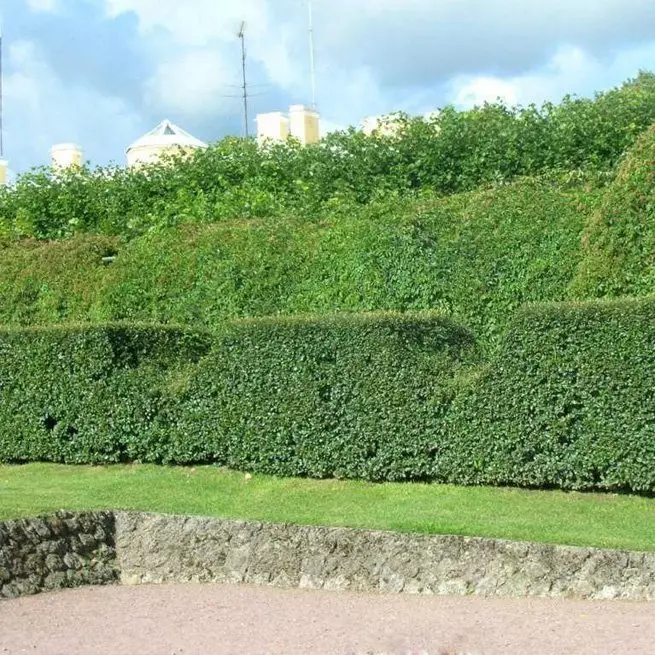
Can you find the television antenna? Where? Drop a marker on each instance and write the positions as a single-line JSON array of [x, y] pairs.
[[242, 36], [312, 52]]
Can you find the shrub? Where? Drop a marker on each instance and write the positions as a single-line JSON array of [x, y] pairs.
[[619, 241], [353, 396], [91, 394], [453, 152], [567, 403], [52, 282], [350, 396]]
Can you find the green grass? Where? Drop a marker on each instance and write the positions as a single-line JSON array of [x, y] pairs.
[[607, 521]]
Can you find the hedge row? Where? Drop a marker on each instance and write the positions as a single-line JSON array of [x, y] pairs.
[[568, 403], [351, 396], [475, 256], [90, 394]]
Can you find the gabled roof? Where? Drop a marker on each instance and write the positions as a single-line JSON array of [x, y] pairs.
[[167, 134]]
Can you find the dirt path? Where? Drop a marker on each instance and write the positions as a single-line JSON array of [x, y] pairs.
[[209, 619]]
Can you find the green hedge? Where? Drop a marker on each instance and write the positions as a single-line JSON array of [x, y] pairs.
[[90, 394], [356, 396], [568, 403], [352, 396], [619, 239], [475, 257]]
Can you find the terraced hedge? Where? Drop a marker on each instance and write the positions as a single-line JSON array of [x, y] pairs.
[[568, 403], [476, 256], [619, 240], [350, 396], [81, 394]]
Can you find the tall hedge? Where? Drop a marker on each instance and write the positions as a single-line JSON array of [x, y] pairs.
[[475, 256], [91, 393], [568, 403], [619, 239], [351, 396], [355, 396]]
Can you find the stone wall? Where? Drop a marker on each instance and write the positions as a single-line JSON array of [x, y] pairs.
[[65, 550], [158, 549], [102, 548]]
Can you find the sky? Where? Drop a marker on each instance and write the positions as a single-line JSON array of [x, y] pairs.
[[101, 73]]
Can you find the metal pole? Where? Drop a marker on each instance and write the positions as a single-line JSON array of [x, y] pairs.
[[312, 63], [242, 36]]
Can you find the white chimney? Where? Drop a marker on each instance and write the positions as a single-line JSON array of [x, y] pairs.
[[4, 164], [273, 126], [304, 124], [66, 155]]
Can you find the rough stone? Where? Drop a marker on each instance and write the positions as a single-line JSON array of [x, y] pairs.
[[154, 548], [60, 551], [70, 550]]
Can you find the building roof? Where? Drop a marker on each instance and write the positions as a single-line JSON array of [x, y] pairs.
[[167, 134]]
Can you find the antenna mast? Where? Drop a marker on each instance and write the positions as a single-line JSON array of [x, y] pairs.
[[312, 63], [242, 36]]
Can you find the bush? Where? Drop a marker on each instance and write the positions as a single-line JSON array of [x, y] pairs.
[[91, 394], [52, 282], [619, 241], [475, 256], [350, 396], [342, 396], [568, 403], [454, 152]]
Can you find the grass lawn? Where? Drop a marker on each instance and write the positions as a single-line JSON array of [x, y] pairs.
[[607, 521]]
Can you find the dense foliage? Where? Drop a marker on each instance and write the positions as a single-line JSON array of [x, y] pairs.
[[567, 403], [619, 241], [355, 396], [89, 394], [476, 256], [234, 179]]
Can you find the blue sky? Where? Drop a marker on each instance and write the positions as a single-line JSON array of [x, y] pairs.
[[103, 72]]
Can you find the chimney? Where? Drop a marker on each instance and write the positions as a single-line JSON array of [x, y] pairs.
[[273, 126], [304, 124], [66, 155], [3, 171]]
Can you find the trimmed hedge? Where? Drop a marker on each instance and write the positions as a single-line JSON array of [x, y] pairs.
[[352, 396], [568, 403], [476, 257], [619, 239], [90, 394]]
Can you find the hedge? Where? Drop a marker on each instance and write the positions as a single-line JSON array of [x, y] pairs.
[[90, 394], [352, 396], [568, 403], [476, 257], [619, 239]]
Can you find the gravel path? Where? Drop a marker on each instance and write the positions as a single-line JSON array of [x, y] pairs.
[[190, 619]]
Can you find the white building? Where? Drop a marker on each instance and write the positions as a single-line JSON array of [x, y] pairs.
[[166, 139]]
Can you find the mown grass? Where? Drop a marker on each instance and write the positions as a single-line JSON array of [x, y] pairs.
[[607, 521]]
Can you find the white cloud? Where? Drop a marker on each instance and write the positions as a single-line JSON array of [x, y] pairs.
[[40, 111], [570, 70], [43, 6], [191, 83]]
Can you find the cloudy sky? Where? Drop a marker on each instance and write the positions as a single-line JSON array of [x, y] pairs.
[[103, 72]]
